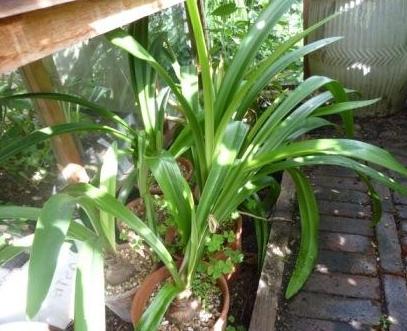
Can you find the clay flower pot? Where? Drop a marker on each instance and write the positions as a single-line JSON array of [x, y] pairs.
[[147, 288]]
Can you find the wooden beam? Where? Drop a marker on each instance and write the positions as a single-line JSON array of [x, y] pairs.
[[36, 34], [15, 7], [269, 291], [38, 79], [305, 16]]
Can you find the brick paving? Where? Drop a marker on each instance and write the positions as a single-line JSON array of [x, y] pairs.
[[360, 281]]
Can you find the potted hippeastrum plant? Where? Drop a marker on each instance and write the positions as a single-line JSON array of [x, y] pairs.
[[232, 161]]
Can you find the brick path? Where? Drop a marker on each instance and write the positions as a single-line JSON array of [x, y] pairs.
[[359, 282]]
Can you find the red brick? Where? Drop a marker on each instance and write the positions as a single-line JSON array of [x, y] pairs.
[[343, 209], [395, 291], [346, 242], [333, 171], [346, 225], [346, 285], [402, 211], [351, 263], [404, 246], [293, 323], [335, 308], [339, 183], [341, 195], [388, 245], [399, 199]]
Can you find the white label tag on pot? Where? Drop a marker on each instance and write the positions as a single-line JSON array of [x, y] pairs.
[[57, 309]]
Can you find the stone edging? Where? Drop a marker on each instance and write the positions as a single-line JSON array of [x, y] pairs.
[[269, 291]]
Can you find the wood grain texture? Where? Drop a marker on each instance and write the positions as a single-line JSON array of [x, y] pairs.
[[38, 79], [269, 291], [16, 7], [36, 34]]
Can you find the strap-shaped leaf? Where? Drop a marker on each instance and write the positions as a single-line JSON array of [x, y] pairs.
[[9, 252], [206, 75], [225, 157], [125, 41], [341, 147], [260, 78], [108, 175], [152, 317], [44, 134], [108, 203], [18, 212], [70, 98], [358, 167], [303, 91], [343, 106], [308, 251], [50, 233], [90, 288], [308, 125], [176, 191], [247, 51]]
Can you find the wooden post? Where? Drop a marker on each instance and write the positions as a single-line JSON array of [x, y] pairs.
[[38, 79], [305, 15]]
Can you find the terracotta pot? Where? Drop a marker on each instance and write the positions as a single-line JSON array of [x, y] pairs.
[[187, 173], [147, 288]]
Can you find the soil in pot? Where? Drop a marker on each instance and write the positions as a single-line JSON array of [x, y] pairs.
[[209, 302], [124, 272]]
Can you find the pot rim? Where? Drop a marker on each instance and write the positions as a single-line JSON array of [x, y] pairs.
[[149, 284]]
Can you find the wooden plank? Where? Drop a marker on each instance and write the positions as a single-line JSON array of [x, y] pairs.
[[38, 79], [15, 7], [305, 15], [34, 35], [269, 291]]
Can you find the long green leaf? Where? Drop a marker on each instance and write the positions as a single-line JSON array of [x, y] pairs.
[[247, 51], [108, 175], [90, 288], [71, 99], [50, 233], [343, 106], [176, 191], [341, 147], [123, 40], [18, 212], [225, 157], [262, 77], [358, 167], [207, 82], [44, 134], [9, 252], [106, 202], [152, 317], [308, 251], [308, 125]]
